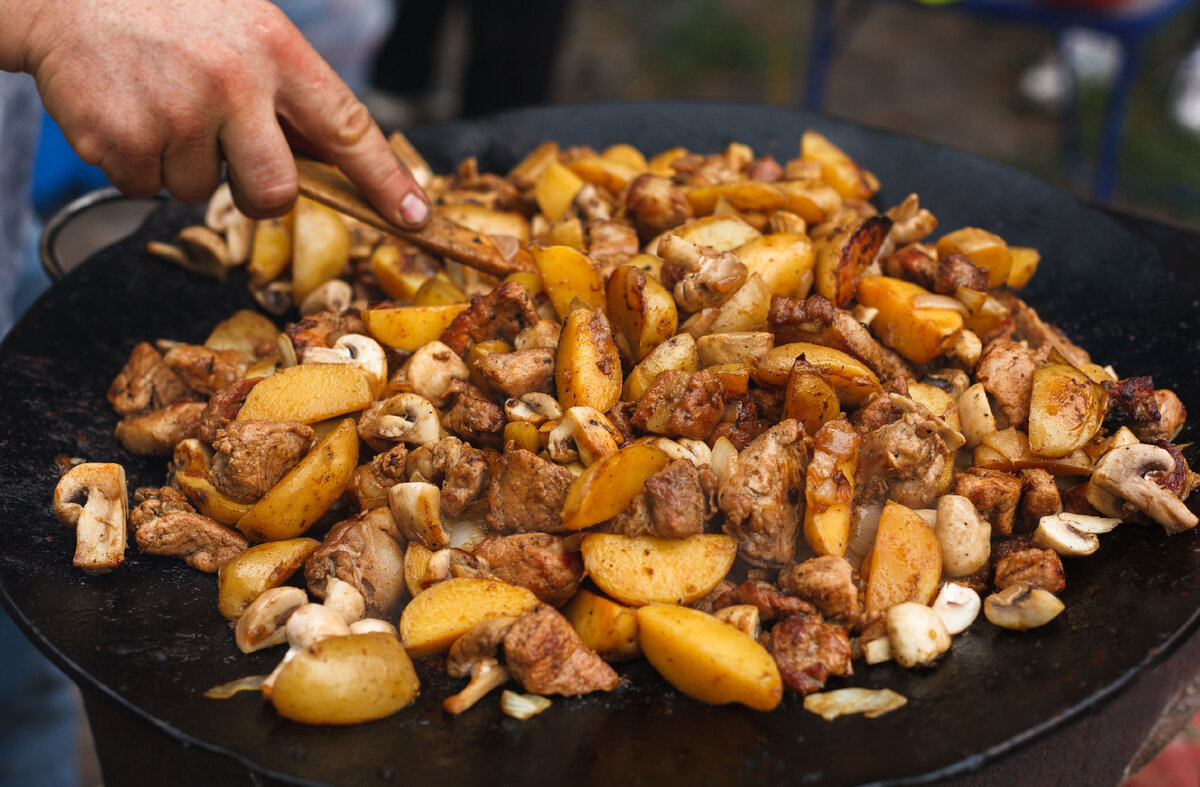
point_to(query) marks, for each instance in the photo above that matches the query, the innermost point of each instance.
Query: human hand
(157, 93)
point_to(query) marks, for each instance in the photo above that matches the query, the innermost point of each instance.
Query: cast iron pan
(150, 636)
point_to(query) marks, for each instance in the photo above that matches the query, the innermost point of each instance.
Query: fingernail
(413, 209)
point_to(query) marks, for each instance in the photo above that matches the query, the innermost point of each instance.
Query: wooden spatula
(500, 256)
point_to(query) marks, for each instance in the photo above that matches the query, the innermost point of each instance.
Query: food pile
(711, 409)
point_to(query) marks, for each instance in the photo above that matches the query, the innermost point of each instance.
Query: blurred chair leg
(1114, 123)
(820, 53)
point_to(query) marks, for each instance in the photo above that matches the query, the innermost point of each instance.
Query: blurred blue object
(59, 175)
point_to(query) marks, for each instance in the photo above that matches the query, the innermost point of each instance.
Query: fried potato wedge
(605, 626)
(649, 570)
(587, 368)
(985, 249)
(641, 310)
(271, 249)
(300, 498)
(919, 334)
(829, 488)
(555, 190)
(346, 680)
(409, 327)
(754, 195)
(837, 168)
(784, 260)
(1066, 410)
(850, 377)
(321, 247)
(568, 274)
(246, 576)
(707, 659)
(906, 561)
(608, 485)
(245, 332)
(441, 614)
(719, 233)
(308, 393)
(843, 256)
(679, 352)
(209, 501)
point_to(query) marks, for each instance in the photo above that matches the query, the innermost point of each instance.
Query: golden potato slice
(568, 274)
(525, 175)
(642, 312)
(244, 332)
(606, 173)
(919, 334)
(271, 250)
(441, 614)
(300, 498)
(416, 562)
(809, 398)
(660, 163)
(209, 501)
(626, 154)
(843, 256)
(606, 487)
(321, 247)
(555, 190)
(587, 368)
(985, 249)
(1065, 410)
(734, 377)
(741, 195)
(308, 393)
(438, 290)
(346, 680)
(707, 659)
(719, 233)
(649, 570)
(811, 200)
(532, 282)
(837, 168)
(409, 327)
(396, 282)
(850, 377)
(1024, 264)
(906, 561)
(784, 260)
(678, 352)
(567, 231)
(247, 575)
(746, 309)
(486, 220)
(829, 488)
(605, 626)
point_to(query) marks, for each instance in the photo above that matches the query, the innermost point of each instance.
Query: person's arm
(157, 93)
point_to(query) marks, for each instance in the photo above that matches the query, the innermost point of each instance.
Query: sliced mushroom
(275, 297)
(263, 623)
(206, 251)
(344, 599)
(223, 216)
(743, 617)
(975, 415)
(965, 537)
(584, 433)
(474, 655)
(416, 507)
(406, 417)
(372, 626)
(535, 408)
(953, 439)
(916, 634)
(1021, 606)
(358, 350)
(958, 606)
(432, 370)
(308, 624)
(1072, 535)
(93, 498)
(334, 295)
(1119, 487)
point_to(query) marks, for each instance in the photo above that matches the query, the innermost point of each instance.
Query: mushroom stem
(487, 675)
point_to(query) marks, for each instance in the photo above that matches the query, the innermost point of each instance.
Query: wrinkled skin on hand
(158, 93)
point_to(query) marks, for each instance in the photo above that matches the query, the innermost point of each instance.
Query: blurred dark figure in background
(511, 49)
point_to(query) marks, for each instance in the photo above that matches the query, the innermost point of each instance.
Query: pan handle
(65, 243)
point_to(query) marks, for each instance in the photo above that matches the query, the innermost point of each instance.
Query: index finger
(320, 108)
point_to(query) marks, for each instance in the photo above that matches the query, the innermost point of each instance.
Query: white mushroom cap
(334, 295)
(965, 537)
(432, 369)
(373, 626)
(263, 623)
(916, 634)
(416, 507)
(1119, 478)
(357, 350)
(1021, 606)
(1072, 535)
(311, 623)
(534, 407)
(405, 417)
(958, 606)
(100, 521)
(583, 432)
(344, 599)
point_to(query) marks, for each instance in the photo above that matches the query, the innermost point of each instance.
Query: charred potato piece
(587, 368)
(642, 312)
(842, 257)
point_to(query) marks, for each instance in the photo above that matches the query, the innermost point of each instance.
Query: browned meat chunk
(156, 432)
(371, 481)
(1006, 372)
(476, 420)
(915, 262)
(223, 408)
(902, 460)
(828, 582)
(673, 505)
(538, 562)
(955, 270)
(251, 456)
(1171, 414)
(1031, 328)
(323, 329)
(527, 494)
(501, 314)
(520, 372)
(459, 468)
(146, 383)
(815, 319)
(678, 404)
(202, 543)
(762, 499)
(878, 411)
(206, 370)
(769, 601)
(893, 366)
(1039, 496)
(157, 502)
(807, 651)
(1006, 545)
(766, 169)
(545, 655)
(1181, 480)
(1040, 568)
(1131, 403)
(1075, 501)
(656, 205)
(357, 551)
(611, 242)
(995, 495)
(694, 169)
(740, 423)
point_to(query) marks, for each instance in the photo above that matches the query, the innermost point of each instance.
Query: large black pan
(149, 634)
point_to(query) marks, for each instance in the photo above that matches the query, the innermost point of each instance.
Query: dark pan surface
(149, 633)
